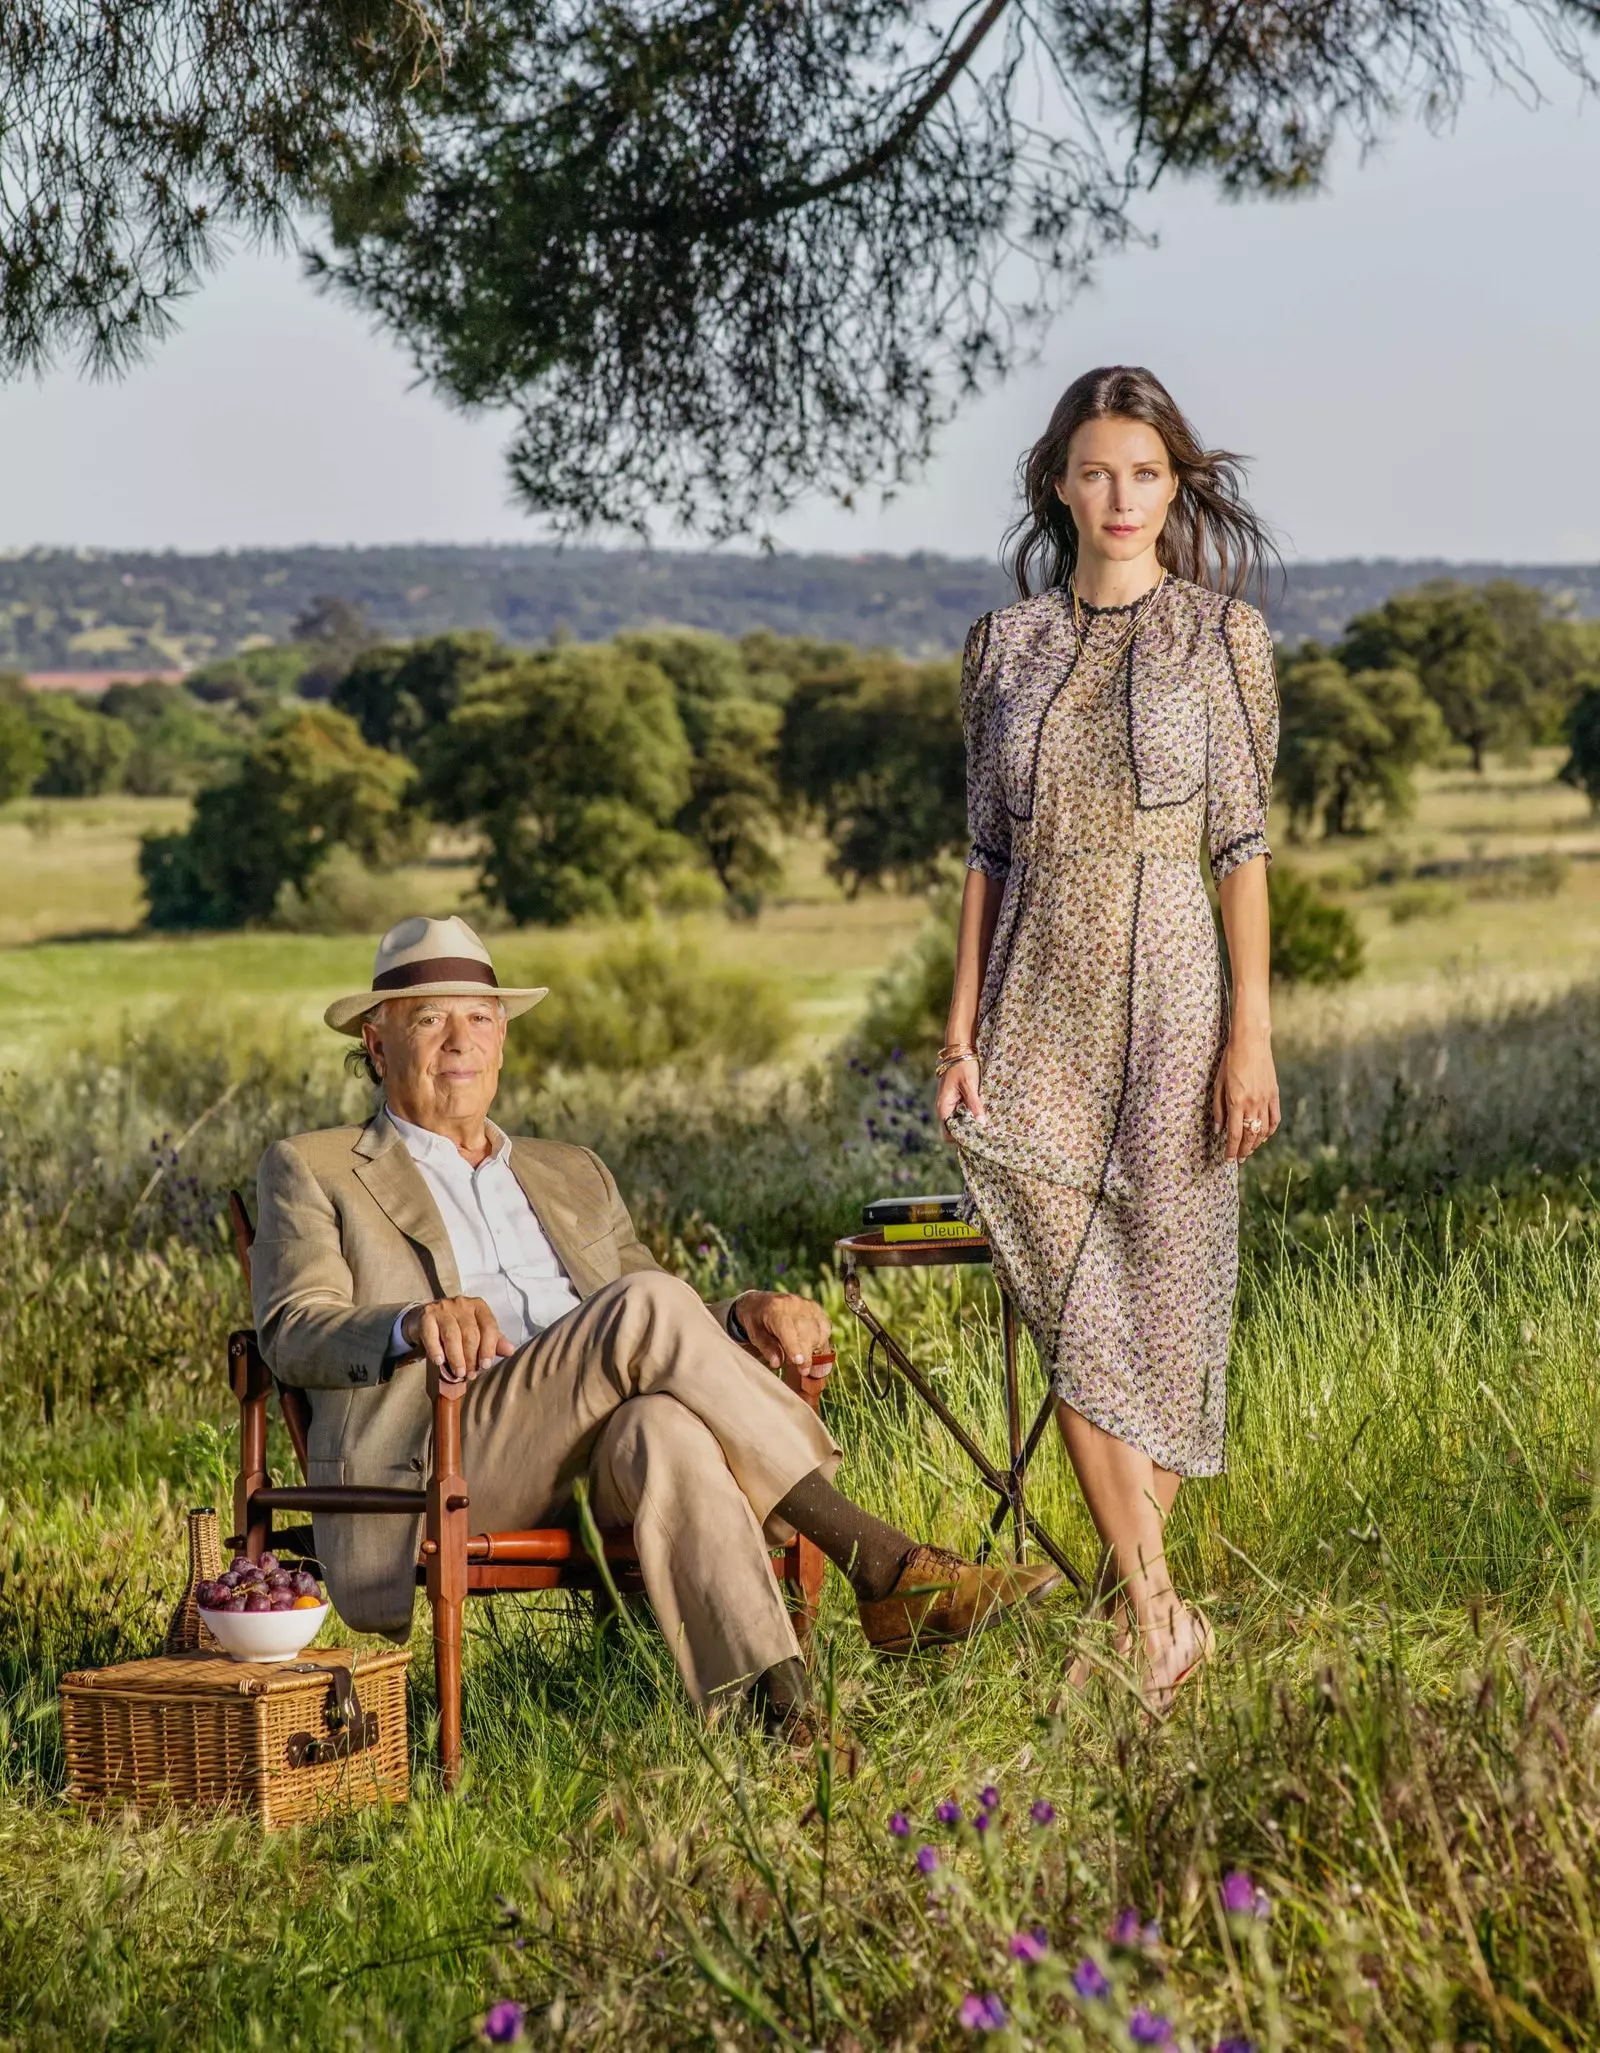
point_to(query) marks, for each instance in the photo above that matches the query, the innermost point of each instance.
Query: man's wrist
(737, 1332)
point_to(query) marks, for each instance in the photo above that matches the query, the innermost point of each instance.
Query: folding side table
(869, 1250)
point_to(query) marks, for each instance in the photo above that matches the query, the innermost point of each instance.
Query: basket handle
(353, 1730)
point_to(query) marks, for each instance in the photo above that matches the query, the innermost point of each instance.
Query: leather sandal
(939, 1599)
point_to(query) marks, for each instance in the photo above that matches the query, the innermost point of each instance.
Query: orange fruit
(306, 1604)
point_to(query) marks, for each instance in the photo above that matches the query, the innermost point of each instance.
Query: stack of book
(904, 1219)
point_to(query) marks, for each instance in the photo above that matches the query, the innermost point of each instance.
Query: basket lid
(211, 1675)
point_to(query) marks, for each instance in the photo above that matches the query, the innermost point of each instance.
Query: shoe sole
(918, 1642)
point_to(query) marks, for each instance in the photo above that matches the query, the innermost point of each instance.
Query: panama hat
(423, 958)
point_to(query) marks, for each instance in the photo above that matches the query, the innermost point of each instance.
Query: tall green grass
(1397, 1745)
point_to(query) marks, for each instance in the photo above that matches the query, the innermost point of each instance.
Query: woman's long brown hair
(1212, 536)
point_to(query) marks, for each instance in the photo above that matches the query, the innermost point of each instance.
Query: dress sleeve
(988, 822)
(1244, 743)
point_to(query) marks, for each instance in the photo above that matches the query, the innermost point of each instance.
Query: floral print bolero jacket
(1184, 751)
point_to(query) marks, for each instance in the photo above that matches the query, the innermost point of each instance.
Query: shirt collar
(424, 1145)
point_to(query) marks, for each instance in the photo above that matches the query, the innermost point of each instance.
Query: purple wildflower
(988, 1796)
(900, 1825)
(981, 1822)
(949, 1812)
(1236, 2044)
(1145, 2028)
(927, 1860)
(503, 2023)
(1030, 1947)
(1089, 1980)
(1151, 1934)
(1243, 1898)
(1042, 1811)
(983, 2014)
(1126, 1930)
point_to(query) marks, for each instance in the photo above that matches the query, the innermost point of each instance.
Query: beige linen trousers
(640, 1391)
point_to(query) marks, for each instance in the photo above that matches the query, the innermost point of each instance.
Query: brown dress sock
(868, 1553)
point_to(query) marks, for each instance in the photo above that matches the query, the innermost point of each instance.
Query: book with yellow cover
(932, 1229)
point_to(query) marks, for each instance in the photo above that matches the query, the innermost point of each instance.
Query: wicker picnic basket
(283, 1742)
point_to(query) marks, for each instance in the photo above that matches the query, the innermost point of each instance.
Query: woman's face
(1118, 485)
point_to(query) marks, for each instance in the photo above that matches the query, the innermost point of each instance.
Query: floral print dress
(1094, 775)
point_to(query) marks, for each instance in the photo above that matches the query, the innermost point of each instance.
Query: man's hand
(785, 1329)
(457, 1334)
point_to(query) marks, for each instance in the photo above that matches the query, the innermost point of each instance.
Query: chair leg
(807, 1567)
(447, 1681)
(444, 1550)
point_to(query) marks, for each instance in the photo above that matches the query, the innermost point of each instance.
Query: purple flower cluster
(949, 1812)
(983, 2013)
(900, 1825)
(1126, 1929)
(1089, 1981)
(503, 2024)
(1242, 1897)
(1146, 2028)
(1029, 1947)
(1042, 1811)
(927, 1860)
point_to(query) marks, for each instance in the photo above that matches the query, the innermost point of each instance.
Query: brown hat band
(438, 969)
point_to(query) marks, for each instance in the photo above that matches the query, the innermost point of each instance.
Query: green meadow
(1372, 1823)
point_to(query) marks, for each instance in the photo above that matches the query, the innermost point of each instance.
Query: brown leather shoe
(939, 1598)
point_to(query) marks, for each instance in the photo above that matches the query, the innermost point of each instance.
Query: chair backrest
(294, 1404)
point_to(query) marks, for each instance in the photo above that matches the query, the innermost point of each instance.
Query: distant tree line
(662, 767)
(665, 766)
(64, 609)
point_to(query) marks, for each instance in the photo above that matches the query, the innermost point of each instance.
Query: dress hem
(1192, 1472)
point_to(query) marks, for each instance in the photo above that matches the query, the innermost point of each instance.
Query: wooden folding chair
(454, 1562)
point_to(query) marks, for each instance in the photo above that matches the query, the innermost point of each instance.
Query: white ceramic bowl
(265, 1635)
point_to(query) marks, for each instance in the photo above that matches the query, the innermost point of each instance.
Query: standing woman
(1100, 1086)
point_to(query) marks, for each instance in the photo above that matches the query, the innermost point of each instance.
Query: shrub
(84, 751)
(1424, 901)
(908, 1005)
(1314, 940)
(308, 785)
(344, 895)
(21, 744)
(645, 1001)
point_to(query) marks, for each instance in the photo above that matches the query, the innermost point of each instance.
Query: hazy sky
(1410, 361)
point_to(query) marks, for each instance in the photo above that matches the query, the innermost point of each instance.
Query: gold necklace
(1141, 607)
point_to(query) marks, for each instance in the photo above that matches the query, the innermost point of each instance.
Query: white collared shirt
(502, 1252)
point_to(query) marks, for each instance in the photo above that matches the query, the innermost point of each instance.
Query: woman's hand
(1245, 1100)
(961, 1084)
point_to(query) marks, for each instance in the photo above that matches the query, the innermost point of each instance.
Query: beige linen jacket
(348, 1236)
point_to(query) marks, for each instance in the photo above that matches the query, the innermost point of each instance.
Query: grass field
(1399, 1749)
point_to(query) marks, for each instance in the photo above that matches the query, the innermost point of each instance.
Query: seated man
(428, 1234)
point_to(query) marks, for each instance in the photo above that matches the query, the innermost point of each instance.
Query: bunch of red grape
(264, 1585)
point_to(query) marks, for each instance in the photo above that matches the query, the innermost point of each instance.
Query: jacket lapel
(396, 1185)
(573, 1229)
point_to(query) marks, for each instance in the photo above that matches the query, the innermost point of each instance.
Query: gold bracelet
(956, 1051)
(952, 1062)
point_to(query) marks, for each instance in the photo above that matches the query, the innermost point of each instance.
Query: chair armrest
(794, 1379)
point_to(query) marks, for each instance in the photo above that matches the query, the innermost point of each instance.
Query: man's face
(439, 1058)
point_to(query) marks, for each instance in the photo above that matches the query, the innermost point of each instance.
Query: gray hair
(358, 1061)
